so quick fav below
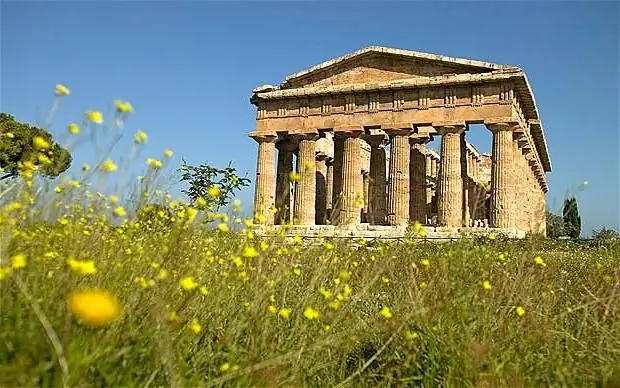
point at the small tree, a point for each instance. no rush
(571, 218)
(16, 145)
(216, 186)
(555, 225)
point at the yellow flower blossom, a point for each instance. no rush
(61, 90)
(203, 290)
(425, 262)
(123, 106)
(120, 211)
(94, 117)
(18, 261)
(86, 267)
(73, 128)
(520, 311)
(140, 137)
(539, 261)
(188, 283)
(386, 313)
(294, 177)
(109, 166)
(94, 308)
(284, 312)
(249, 251)
(195, 326)
(154, 163)
(168, 153)
(272, 309)
(113, 199)
(311, 313)
(223, 227)
(4, 272)
(297, 271)
(43, 159)
(40, 143)
(85, 167)
(214, 191)
(486, 285)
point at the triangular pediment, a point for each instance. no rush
(381, 64)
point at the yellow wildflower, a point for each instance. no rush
(4, 272)
(284, 312)
(311, 313)
(140, 137)
(223, 227)
(113, 199)
(203, 290)
(520, 311)
(123, 106)
(486, 285)
(94, 308)
(43, 159)
(94, 117)
(425, 262)
(168, 153)
(249, 251)
(214, 191)
(109, 166)
(40, 143)
(195, 326)
(293, 176)
(73, 128)
(188, 283)
(539, 260)
(297, 271)
(154, 163)
(62, 90)
(85, 167)
(18, 261)
(120, 211)
(386, 313)
(272, 309)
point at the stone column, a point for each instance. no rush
(377, 189)
(264, 197)
(398, 191)
(305, 192)
(417, 179)
(502, 182)
(465, 179)
(283, 184)
(329, 187)
(321, 190)
(352, 185)
(337, 179)
(450, 192)
(429, 190)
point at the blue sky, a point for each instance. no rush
(189, 68)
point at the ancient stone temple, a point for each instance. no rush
(345, 144)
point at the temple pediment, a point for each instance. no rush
(381, 64)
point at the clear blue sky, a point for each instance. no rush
(189, 68)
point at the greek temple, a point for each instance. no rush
(344, 145)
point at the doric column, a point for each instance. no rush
(465, 179)
(352, 185)
(502, 179)
(337, 179)
(398, 191)
(321, 190)
(417, 179)
(264, 196)
(377, 189)
(429, 190)
(305, 191)
(283, 184)
(450, 193)
(329, 186)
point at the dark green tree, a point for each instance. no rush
(555, 225)
(571, 218)
(16, 145)
(203, 179)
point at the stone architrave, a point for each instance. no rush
(502, 178)
(264, 198)
(283, 183)
(450, 191)
(417, 171)
(305, 192)
(351, 181)
(377, 189)
(398, 191)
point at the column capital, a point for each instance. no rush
(286, 145)
(304, 136)
(502, 124)
(348, 130)
(375, 141)
(398, 131)
(263, 137)
(444, 127)
(418, 139)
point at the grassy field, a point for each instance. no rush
(200, 307)
(93, 296)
